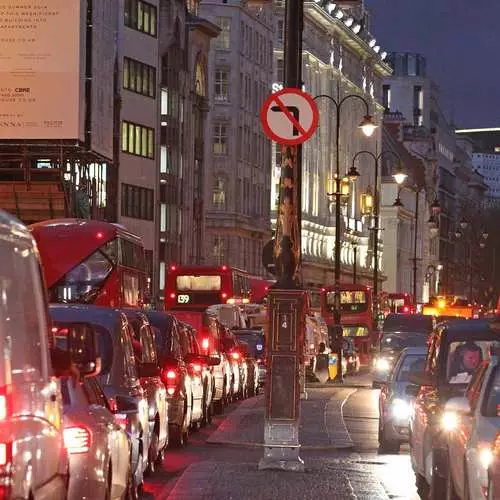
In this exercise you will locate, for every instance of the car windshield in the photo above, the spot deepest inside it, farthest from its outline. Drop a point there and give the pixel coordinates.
(410, 364)
(408, 323)
(464, 356)
(400, 340)
(492, 406)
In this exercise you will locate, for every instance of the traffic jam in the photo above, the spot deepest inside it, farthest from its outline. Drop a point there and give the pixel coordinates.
(97, 387)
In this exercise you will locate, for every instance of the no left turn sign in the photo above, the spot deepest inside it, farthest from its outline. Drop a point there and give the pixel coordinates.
(289, 116)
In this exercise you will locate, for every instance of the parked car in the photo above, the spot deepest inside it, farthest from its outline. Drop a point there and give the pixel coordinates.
(119, 376)
(394, 404)
(474, 424)
(200, 367)
(455, 351)
(236, 363)
(33, 459)
(252, 373)
(256, 344)
(147, 364)
(174, 374)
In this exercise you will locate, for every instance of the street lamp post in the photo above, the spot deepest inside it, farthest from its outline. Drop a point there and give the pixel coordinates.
(368, 127)
(353, 173)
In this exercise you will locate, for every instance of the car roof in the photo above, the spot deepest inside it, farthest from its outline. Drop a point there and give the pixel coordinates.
(86, 313)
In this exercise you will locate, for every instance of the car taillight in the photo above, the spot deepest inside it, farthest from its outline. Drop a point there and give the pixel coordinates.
(121, 420)
(76, 439)
(196, 367)
(205, 344)
(169, 378)
(235, 355)
(171, 375)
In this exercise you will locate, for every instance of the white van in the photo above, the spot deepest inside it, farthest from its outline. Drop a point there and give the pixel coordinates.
(33, 460)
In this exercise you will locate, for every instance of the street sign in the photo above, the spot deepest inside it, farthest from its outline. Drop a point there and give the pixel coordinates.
(289, 116)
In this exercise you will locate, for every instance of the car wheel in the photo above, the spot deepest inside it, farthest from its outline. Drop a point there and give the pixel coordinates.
(176, 436)
(386, 444)
(451, 494)
(437, 490)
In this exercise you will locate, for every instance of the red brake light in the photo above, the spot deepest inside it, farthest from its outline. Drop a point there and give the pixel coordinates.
(172, 295)
(171, 375)
(224, 268)
(205, 344)
(406, 309)
(236, 355)
(224, 295)
(99, 235)
(121, 420)
(173, 268)
(76, 439)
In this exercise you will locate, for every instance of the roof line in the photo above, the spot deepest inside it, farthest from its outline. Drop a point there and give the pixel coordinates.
(468, 130)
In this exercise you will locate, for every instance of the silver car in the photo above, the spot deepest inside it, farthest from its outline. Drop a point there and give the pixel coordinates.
(33, 459)
(473, 425)
(395, 406)
(98, 447)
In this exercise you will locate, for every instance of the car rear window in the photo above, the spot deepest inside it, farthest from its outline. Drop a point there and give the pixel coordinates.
(401, 340)
(408, 323)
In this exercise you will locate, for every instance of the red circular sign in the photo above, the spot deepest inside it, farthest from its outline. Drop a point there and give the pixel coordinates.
(289, 116)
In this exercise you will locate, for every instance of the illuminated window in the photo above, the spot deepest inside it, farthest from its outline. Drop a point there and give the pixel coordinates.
(138, 140)
(139, 77)
(219, 193)
(141, 16)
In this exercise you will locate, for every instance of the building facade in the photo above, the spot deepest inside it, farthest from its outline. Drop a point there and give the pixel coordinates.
(239, 170)
(340, 58)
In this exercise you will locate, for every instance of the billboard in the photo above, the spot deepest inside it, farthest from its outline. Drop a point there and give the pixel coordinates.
(40, 69)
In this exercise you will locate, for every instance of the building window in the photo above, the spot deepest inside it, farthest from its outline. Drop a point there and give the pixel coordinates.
(280, 68)
(220, 139)
(222, 85)
(137, 202)
(223, 41)
(140, 16)
(386, 97)
(219, 249)
(219, 193)
(138, 140)
(280, 30)
(139, 77)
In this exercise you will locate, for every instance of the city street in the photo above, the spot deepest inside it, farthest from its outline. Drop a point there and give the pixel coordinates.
(339, 448)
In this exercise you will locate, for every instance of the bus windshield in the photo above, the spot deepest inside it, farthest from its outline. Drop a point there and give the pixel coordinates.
(83, 283)
(351, 301)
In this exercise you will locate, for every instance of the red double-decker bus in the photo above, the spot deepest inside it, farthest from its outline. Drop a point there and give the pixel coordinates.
(91, 262)
(356, 309)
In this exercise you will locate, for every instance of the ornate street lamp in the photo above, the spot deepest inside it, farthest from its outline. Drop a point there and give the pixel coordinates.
(367, 203)
(400, 175)
(463, 223)
(368, 126)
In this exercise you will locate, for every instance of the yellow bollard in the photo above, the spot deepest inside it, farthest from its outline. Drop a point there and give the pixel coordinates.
(332, 365)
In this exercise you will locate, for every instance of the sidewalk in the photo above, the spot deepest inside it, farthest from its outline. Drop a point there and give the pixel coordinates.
(321, 428)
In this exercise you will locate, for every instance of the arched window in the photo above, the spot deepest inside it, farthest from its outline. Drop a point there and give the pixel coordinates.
(219, 192)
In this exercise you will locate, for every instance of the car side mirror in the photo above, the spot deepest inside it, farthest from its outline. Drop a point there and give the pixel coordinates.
(412, 390)
(149, 370)
(422, 378)
(80, 341)
(458, 405)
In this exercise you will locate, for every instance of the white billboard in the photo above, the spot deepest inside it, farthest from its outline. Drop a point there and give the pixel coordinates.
(40, 69)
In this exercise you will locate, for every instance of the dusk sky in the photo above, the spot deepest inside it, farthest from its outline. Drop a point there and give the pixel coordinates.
(460, 40)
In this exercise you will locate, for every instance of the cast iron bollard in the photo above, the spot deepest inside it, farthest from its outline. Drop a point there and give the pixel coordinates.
(286, 315)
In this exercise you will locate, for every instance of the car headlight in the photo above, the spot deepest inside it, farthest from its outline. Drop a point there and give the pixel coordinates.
(401, 409)
(382, 365)
(486, 457)
(449, 421)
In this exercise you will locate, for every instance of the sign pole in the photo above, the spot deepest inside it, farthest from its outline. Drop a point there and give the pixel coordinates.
(286, 306)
